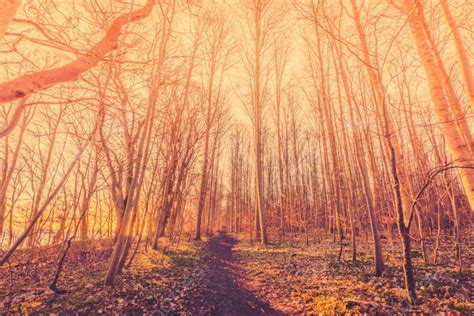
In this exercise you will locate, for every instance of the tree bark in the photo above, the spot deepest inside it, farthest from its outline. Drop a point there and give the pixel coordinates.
(9, 9)
(461, 53)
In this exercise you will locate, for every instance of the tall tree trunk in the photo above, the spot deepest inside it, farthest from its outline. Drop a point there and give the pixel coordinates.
(458, 148)
(402, 229)
(461, 53)
(258, 11)
(363, 170)
(9, 168)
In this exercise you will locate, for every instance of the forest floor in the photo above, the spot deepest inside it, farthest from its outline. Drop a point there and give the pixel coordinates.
(228, 275)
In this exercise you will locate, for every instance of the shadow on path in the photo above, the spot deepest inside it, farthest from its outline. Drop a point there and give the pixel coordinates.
(227, 297)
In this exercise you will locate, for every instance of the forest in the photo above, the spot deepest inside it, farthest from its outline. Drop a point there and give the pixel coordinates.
(236, 157)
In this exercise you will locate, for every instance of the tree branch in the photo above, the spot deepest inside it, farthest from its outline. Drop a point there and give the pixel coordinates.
(29, 83)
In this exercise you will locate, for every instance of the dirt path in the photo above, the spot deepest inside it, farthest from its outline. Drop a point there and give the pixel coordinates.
(225, 295)
(214, 278)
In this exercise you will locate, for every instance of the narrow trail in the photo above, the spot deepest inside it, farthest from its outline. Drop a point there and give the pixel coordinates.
(225, 294)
